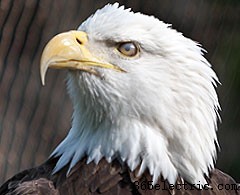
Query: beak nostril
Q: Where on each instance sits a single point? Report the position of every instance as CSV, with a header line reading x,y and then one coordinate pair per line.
x,y
79,41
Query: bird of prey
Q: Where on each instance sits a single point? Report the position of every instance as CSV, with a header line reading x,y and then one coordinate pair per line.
x,y
145,112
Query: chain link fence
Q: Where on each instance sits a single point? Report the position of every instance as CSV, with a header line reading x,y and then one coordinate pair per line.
x,y
34,119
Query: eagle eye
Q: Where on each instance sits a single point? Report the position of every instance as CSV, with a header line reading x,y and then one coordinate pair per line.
x,y
128,49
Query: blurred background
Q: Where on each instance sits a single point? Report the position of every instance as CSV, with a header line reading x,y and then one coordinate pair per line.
x,y
34,119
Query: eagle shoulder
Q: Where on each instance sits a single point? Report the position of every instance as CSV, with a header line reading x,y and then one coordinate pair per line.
x,y
107,178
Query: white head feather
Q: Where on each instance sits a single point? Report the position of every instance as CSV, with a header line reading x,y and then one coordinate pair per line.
x,y
160,115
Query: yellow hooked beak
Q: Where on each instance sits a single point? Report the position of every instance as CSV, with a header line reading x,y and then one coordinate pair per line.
x,y
68,51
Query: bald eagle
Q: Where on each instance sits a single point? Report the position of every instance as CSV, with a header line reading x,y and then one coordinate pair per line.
x,y
145,112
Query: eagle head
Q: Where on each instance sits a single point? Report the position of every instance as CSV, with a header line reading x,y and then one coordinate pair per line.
x,y
142,93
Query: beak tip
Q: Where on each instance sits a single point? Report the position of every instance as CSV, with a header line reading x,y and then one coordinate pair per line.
x,y
42,75
43,81
43,70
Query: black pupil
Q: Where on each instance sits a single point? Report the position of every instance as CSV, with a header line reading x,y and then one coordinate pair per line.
x,y
128,47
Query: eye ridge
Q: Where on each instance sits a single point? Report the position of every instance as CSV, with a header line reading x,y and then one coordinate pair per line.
x,y
129,48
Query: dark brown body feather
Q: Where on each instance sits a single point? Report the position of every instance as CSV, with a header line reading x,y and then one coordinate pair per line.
x,y
106,178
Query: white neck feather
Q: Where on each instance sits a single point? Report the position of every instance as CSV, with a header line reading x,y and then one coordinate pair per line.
x,y
184,147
